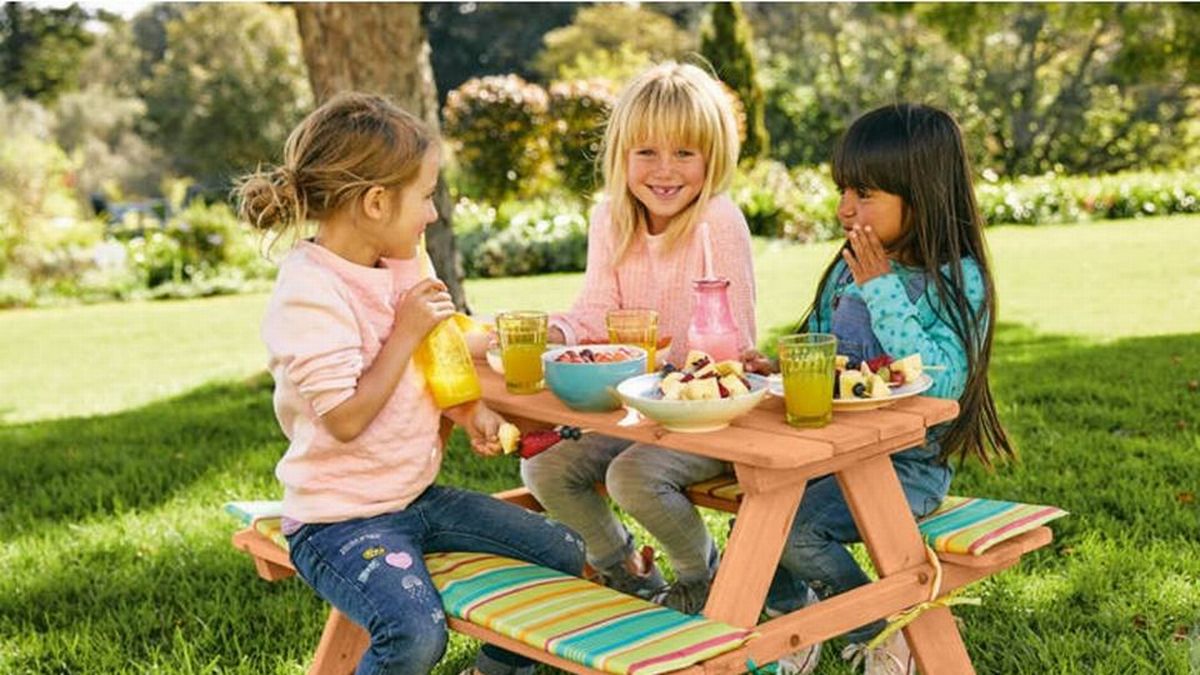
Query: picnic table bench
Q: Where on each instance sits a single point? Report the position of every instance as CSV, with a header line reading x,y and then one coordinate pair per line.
x,y
771,464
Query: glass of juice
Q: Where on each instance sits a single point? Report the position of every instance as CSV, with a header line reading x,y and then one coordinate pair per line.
x,y
807,362
522,341
638,327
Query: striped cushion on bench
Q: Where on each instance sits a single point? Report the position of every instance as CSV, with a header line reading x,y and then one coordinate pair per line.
x,y
554,612
573,618
965,525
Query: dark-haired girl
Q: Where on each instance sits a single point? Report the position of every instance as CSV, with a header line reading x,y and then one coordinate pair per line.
x,y
913,277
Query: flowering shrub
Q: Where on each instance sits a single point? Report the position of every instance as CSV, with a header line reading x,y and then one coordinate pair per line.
x,y
1036,200
799,204
496,125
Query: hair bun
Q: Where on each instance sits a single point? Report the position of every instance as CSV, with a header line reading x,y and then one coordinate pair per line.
x,y
270,199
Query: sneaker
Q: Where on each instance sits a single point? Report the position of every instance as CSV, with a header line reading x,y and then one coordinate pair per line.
x,y
890,658
644,586
687,597
801,661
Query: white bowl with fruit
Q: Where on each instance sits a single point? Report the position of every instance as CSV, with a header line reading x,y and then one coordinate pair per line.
x,y
703,396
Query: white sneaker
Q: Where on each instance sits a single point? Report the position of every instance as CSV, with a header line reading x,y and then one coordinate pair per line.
x,y
803,661
890,658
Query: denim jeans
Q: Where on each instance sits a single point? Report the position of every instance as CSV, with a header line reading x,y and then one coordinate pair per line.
x,y
815,554
646,481
373,570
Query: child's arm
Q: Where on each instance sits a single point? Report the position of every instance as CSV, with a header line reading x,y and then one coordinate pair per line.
x,y
731,237
420,309
896,321
600,292
481,424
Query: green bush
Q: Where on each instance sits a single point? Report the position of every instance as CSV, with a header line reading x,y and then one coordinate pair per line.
x,y
1052,198
497,127
799,205
520,238
578,112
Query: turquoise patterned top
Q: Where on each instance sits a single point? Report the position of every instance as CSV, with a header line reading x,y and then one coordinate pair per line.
x,y
906,317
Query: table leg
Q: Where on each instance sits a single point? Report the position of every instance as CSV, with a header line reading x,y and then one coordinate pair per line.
x,y
752,553
889,531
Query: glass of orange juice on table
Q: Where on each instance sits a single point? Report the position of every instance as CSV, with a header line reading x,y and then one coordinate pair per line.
x,y
807,364
638,327
522,342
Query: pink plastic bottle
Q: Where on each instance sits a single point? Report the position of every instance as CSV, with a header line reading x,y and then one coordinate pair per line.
x,y
712,329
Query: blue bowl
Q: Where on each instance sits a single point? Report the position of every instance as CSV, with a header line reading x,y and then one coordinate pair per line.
x,y
591,387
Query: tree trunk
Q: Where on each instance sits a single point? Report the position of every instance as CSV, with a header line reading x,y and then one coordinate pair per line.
x,y
381,48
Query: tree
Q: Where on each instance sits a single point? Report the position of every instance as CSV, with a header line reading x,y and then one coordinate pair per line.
x,y
381,48
610,40
727,44
228,90
41,49
465,43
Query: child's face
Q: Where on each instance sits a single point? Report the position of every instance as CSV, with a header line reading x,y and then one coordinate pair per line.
x,y
882,211
413,209
665,178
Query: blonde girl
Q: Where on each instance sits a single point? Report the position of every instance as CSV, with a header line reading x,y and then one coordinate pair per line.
x,y
670,151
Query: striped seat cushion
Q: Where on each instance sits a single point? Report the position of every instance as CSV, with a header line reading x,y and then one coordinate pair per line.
x,y
965,525
554,612
573,618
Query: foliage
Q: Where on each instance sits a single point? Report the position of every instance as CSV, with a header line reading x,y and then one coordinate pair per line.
x,y
97,128
496,125
464,40
1070,88
798,205
41,49
1038,200
578,111
600,43
228,91
726,43
535,237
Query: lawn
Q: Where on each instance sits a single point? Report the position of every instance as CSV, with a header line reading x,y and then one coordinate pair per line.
x,y
117,557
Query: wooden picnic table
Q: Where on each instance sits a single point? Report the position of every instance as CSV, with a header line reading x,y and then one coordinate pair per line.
x,y
773,461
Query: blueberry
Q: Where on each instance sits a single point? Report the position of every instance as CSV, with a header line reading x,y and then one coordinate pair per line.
x,y
860,390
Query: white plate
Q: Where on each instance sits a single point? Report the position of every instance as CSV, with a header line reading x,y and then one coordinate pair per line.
x,y
902,392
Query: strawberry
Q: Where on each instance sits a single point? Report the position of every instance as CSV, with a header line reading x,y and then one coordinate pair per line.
x,y
537,442
879,362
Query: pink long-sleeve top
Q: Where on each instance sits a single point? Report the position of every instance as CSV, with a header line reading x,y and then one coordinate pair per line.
x,y
651,276
325,323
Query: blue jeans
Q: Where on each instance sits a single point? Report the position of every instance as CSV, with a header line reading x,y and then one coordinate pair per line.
x,y
373,571
815,555
646,481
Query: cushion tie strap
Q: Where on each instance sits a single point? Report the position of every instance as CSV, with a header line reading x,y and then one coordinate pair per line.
x,y
899,620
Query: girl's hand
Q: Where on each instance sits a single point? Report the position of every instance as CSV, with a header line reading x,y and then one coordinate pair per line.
x,y
424,306
555,334
755,362
868,259
483,426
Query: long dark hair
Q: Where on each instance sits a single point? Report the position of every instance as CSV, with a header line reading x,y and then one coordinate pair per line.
x,y
916,152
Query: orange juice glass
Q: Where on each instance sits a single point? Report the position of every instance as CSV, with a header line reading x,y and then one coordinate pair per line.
x,y
637,327
807,364
522,342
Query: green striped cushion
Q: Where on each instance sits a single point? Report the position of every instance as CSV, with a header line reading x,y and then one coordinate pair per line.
x,y
573,618
555,612
971,525
960,525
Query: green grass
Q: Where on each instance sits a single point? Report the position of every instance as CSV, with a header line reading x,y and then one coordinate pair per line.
x,y
116,557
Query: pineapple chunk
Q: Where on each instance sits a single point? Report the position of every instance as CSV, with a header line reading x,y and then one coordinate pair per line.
x,y
729,368
673,376
672,388
706,371
702,390
846,383
693,357
734,385
510,437
878,387
910,367
840,362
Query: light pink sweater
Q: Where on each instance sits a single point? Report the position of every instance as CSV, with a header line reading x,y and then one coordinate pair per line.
x,y
652,277
325,323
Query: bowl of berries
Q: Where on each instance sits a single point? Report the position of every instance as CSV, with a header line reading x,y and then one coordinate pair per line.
x,y
703,396
585,377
